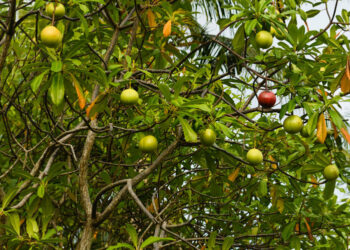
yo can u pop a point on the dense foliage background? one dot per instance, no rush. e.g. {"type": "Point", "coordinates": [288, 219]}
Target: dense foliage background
{"type": "Point", "coordinates": [72, 175]}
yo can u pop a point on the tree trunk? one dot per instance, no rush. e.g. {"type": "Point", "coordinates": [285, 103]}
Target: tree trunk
{"type": "Point", "coordinates": [86, 236]}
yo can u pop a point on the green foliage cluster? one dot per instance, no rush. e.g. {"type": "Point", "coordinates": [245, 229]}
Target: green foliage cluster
{"type": "Point", "coordinates": [73, 175]}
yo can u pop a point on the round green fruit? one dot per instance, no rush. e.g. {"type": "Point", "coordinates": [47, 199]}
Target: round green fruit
{"type": "Point", "coordinates": [254, 156]}
{"type": "Point", "coordinates": [293, 124]}
{"type": "Point", "coordinates": [331, 172]}
{"type": "Point", "coordinates": [148, 144]}
{"type": "Point", "coordinates": [264, 39]}
{"type": "Point", "coordinates": [51, 36]}
{"type": "Point", "coordinates": [59, 11]}
{"type": "Point", "coordinates": [129, 96]}
{"type": "Point", "coordinates": [208, 137]}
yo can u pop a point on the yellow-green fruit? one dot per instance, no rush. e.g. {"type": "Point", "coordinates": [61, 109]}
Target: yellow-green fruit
{"type": "Point", "coordinates": [264, 39]}
{"type": "Point", "coordinates": [208, 137]}
{"type": "Point", "coordinates": [129, 96]}
{"type": "Point", "coordinates": [293, 124]}
{"type": "Point", "coordinates": [148, 144]}
{"type": "Point", "coordinates": [51, 36]}
{"type": "Point", "coordinates": [254, 156]}
{"type": "Point", "coordinates": [59, 11]}
{"type": "Point", "coordinates": [331, 172]}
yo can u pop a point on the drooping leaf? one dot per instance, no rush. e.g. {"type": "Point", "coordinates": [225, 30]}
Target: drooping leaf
{"type": "Point", "coordinates": [151, 19]}
{"type": "Point", "coordinates": [345, 134]}
{"type": "Point", "coordinates": [152, 239]}
{"type": "Point", "coordinates": [35, 83]}
{"type": "Point", "coordinates": [273, 194]}
{"type": "Point", "coordinates": [329, 189]}
{"type": "Point", "coordinates": [15, 222]}
{"type": "Point", "coordinates": [56, 90]}
{"type": "Point", "coordinates": [309, 231]}
{"type": "Point", "coordinates": [32, 227]}
{"type": "Point", "coordinates": [336, 134]}
{"type": "Point", "coordinates": [132, 233]}
{"type": "Point", "coordinates": [81, 97]}
{"type": "Point", "coordinates": [212, 240]}
{"type": "Point", "coordinates": [288, 230]}
{"type": "Point", "coordinates": [345, 81]}
{"type": "Point", "coordinates": [228, 242]}
{"type": "Point", "coordinates": [232, 177]}
{"type": "Point", "coordinates": [321, 128]}
{"type": "Point", "coordinates": [190, 135]}
{"type": "Point", "coordinates": [167, 29]}
{"type": "Point", "coordinates": [280, 205]}
{"type": "Point", "coordinates": [121, 245]}
{"type": "Point", "coordinates": [165, 91]}
{"type": "Point", "coordinates": [96, 105]}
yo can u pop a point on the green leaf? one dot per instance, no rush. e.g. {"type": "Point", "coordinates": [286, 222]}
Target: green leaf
{"type": "Point", "coordinates": [120, 245]}
{"type": "Point", "coordinates": [312, 13]}
{"type": "Point", "coordinates": [238, 40]}
{"type": "Point", "coordinates": [212, 240]}
{"type": "Point", "coordinates": [329, 189]}
{"type": "Point", "coordinates": [228, 242]}
{"type": "Point", "coordinates": [336, 82]}
{"type": "Point", "coordinates": [250, 25]}
{"type": "Point", "coordinates": [56, 66]}
{"type": "Point", "coordinates": [203, 107]}
{"type": "Point", "coordinates": [303, 15]}
{"type": "Point", "coordinates": [152, 239]}
{"type": "Point", "coordinates": [165, 91]}
{"type": "Point", "coordinates": [127, 75]}
{"type": "Point", "coordinates": [83, 23]}
{"type": "Point", "coordinates": [35, 83]}
{"type": "Point", "coordinates": [288, 230]}
{"type": "Point", "coordinates": [263, 187]}
{"type": "Point", "coordinates": [133, 234]}
{"type": "Point", "coordinates": [312, 168]}
{"type": "Point", "coordinates": [190, 135]}
{"type": "Point", "coordinates": [56, 90]}
{"type": "Point", "coordinates": [8, 197]}
{"type": "Point", "coordinates": [225, 130]}
{"type": "Point", "coordinates": [336, 118]}
{"type": "Point", "coordinates": [312, 123]}
{"type": "Point", "coordinates": [41, 190]}
{"type": "Point", "coordinates": [295, 243]}
{"type": "Point", "coordinates": [178, 85]}
{"type": "Point", "coordinates": [32, 227]}
{"type": "Point", "coordinates": [15, 222]}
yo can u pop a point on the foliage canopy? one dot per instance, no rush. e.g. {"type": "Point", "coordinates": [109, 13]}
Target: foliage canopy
{"type": "Point", "coordinates": [72, 173]}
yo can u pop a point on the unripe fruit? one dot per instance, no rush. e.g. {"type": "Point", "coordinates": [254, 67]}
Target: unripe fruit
{"type": "Point", "coordinates": [264, 39]}
{"type": "Point", "coordinates": [51, 36]}
{"type": "Point", "coordinates": [59, 11]}
{"type": "Point", "coordinates": [254, 156]}
{"type": "Point", "coordinates": [148, 144]}
{"type": "Point", "coordinates": [331, 172]}
{"type": "Point", "coordinates": [208, 137]}
{"type": "Point", "coordinates": [293, 124]}
{"type": "Point", "coordinates": [129, 96]}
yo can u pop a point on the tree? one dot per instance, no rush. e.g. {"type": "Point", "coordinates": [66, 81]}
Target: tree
{"type": "Point", "coordinates": [73, 175]}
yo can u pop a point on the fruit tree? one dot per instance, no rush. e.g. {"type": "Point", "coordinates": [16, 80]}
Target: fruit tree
{"type": "Point", "coordinates": [127, 124]}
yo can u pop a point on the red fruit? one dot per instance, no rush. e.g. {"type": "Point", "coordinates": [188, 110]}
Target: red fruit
{"type": "Point", "coordinates": [267, 99]}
